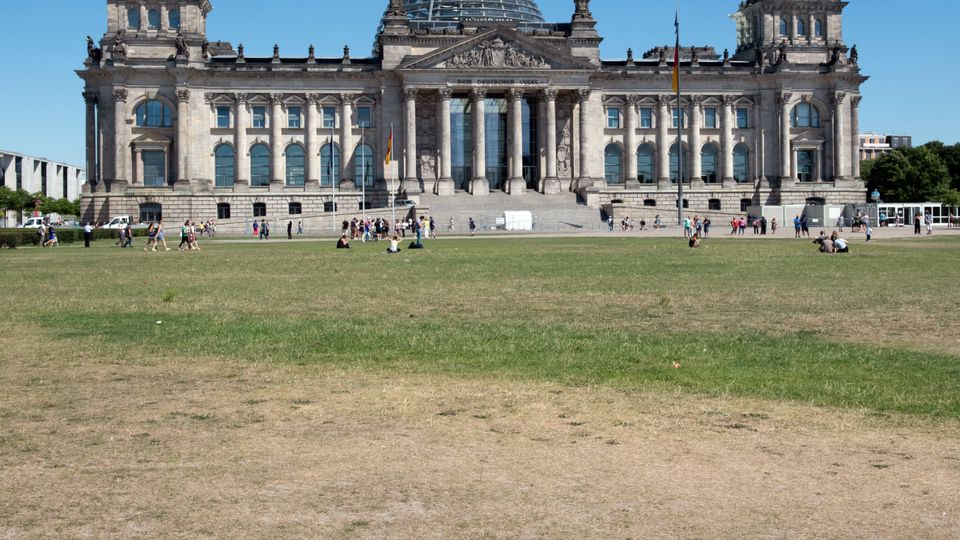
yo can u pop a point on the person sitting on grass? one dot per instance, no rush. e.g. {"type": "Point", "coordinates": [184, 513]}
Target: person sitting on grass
{"type": "Point", "coordinates": [839, 244]}
{"type": "Point", "coordinates": [343, 243]}
{"type": "Point", "coordinates": [694, 241]}
{"type": "Point", "coordinates": [394, 244]}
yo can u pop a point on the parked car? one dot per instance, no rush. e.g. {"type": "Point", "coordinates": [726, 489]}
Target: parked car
{"type": "Point", "coordinates": [32, 223]}
{"type": "Point", "coordinates": [119, 222]}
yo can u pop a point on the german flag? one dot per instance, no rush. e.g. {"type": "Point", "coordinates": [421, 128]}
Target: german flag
{"type": "Point", "coordinates": [389, 159]}
{"type": "Point", "coordinates": [676, 57]}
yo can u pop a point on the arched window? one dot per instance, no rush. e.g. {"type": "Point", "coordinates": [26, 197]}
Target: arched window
{"type": "Point", "coordinates": [801, 27]}
{"type": "Point", "coordinates": [225, 166]}
{"type": "Point", "coordinates": [174, 18]}
{"type": "Point", "coordinates": [329, 165]}
{"type": "Point", "coordinates": [363, 166]}
{"type": "Point", "coordinates": [818, 28]}
{"type": "Point", "coordinates": [133, 18]}
{"type": "Point", "coordinates": [151, 212]}
{"type": "Point", "coordinates": [223, 210]}
{"type": "Point", "coordinates": [613, 169]}
{"type": "Point", "coordinates": [260, 165]}
{"type": "Point", "coordinates": [153, 113]}
{"type": "Point", "coordinates": [153, 19]}
{"type": "Point", "coordinates": [708, 163]}
{"type": "Point", "coordinates": [805, 115]}
{"type": "Point", "coordinates": [783, 26]}
{"type": "Point", "coordinates": [645, 164]}
{"type": "Point", "coordinates": [741, 163]}
{"type": "Point", "coordinates": [674, 165]}
{"type": "Point", "coordinates": [295, 165]}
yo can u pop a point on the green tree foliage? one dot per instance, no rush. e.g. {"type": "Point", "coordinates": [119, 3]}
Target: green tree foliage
{"type": "Point", "coordinates": [909, 175]}
{"type": "Point", "coordinates": [950, 155]}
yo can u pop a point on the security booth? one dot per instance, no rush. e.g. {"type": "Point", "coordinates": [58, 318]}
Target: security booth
{"type": "Point", "coordinates": [903, 214]}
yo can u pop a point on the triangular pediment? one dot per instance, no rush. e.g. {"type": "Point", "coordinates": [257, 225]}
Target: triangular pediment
{"type": "Point", "coordinates": [152, 138]}
{"type": "Point", "coordinates": [808, 137]}
{"type": "Point", "coordinates": [498, 49]}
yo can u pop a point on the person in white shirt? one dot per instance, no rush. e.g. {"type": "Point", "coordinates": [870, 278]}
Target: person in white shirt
{"type": "Point", "coordinates": [87, 234]}
{"type": "Point", "coordinates": [394, 244]}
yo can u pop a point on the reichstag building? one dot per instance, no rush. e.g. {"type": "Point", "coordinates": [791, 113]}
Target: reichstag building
{"type": "Point", "coordinates": [480, 96]}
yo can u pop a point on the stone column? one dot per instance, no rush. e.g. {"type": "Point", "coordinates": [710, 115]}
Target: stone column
{"type": "Point", "coordinates": [516, 184]}
{"type": "Point", "coordinates": [410, 184]}
{"type": "Point", "coordinates": [138, 177]}
{"type": "Point", "coordinates": [479, 185]}
{"type": "Point", "coordinates": [630, 142]}
{"type": "Point", "coordinates": [276, 142]}
{"type": "Point", "coordinates": [696, 119]}
{"type": "Point", "coordinates": [785, 162]}
{"type": "Point", "coordinates": [144, 19]}
{"type": "Point", "coordinates": [242, 149]}
{"type": "Point", "coordinates": [758, 159]}
{"type": "Point", "coordinates": [664, 119]}
{"type": "Point", "coordinates": [726, 141]}
{"type": "Point", "coordinates": [445, 186]}
{"type": "Point", "coordinates": [841, 166]}
{"type": "Point", "coordinates": [346, 141]}
{"type": "Point", "coordinates": [312, 162]}
{"type": "Point", "coordinates": [551, 184]}
{"type": "Point", "coordinates": [90, 98]}
{"type": "Point", "coordinates": [119, 140]}
{"type": "Point", "coordinates": [584, 180]}
{"type": "Point", "coordinates": [164, 18]}
{"type": "Point", "coordinates": [855, 136]}
{"type": "Point", "coordinates": [183, 139]}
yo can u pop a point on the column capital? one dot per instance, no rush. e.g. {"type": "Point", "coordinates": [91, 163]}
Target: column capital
{"type": "Point", "coordinates": [90, 97]}
{"type": "Point", "coordinates": [784, 97]}
{"type": "Point", "coordinates": [855, 101]}
{"type": "Point", "coordinates": [241, 99]}
{"type": "Point", "coordinates": [728, 100]}
{"type": "Point", "coordinates": [663, 100]}
{"type": "Point", "coordinates": [120, 94]}
{"type": "Point", "coordinates": [695, 102]}
{"type": "Point", "coordinates": [183, 95]}
{"type": "Point", "coordinates": [313, 99]}
{"type": "Point", "coordinates": [410, 94]}
{"type": "Point", "coordinates": [550, 94]}
{"type": "Point", "coordinates": [446, 93]}
{"type": "Point", "coordinates": [515, 94]}
{"type": "Point", "coordinates": [584, 94]}
{"type": "Point", "coordinates": [478, 94]}
{"type": "Point", "coordinates": [276, 99]}
{"type": "Point", "coordinates": [633, 99]}
{"type": "Point", "coordinates": [838, 97]}
{"type": "Point", "coordinates": [351, 99]}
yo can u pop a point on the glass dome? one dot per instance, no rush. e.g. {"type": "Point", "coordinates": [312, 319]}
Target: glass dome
{"type": "Point", "coordinates": [459, 10]}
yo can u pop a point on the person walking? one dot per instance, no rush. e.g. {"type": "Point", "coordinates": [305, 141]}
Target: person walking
{"type": "Point", "coordinates": [773, 226]}
{"type": "Point", "coordinates": [917, 220]}
{"type": "Point", "coordinates": [87, 234]}
{"type": "Point", "coordinates": [128, 237]}
{"type": "Point", "coordinates": [928, 221]}
{"type": "Point", "coordinates": [290, 230]}
{"type": "Point", "coordinates": [796, 227]}
{"type": "Point", "coordinates": [433, 228]}
{"type": "Point", "coordinates": [184, 243]}
{"type": "Point", "coordinates": [299, 228]}
{"type": "Point", "coordinates": [472, 225]}
{"type": "Point", "coordinates": [161, 239]}
{"type": "Point", "coordinates": [256, 229]}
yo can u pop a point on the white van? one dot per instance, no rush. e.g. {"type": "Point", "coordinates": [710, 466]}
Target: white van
{"type": "Point", "coordinates": [33, 223]}
{"type": "Point", "coordinates": [119, 222]}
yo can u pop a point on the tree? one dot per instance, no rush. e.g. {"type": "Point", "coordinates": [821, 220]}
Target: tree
{"type": "Point", "coordinates": [951, 157]}
{"type": "Point", "coordinates": [909, 175]}
{"type": "Point", "coordinates": [950, 197]}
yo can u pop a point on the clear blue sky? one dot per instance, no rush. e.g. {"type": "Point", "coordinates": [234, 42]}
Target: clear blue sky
{"type": "Point", "coordinates": [902, 47]}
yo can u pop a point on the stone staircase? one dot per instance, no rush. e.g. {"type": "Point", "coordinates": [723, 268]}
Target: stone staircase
{"type": "Point", "coordinates": [551, 213]}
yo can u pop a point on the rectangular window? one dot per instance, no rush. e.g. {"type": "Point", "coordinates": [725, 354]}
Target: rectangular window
{"type": "Point", "coordinates": [293, 117]}
{"type": "Point", "coordinates": [133, 18]}
{"type": "Point", "coordinates": [153, 19]}
{"type": "Point", "coordinates": [710, 118]}
{"type": "Point", "coordinates": [154, 168]}
{"type": "Point", "coordinates": [678, 114]}
{"type": "Point", "coordinates": [174, 17]}
{"type": "Point", "coordinates": [223, 117]}
{"type": "Point", "coordinates": [223, 211]}
{"type": "Point", "coordinates": [43, 178]}
{"type": "Point", "coordinates": [259, 209]}
{"type": "Point", "coordinates": [18, 169]}
{"type": "Point", "coordinates": [363, 117]}
{"type": "Point", "coordinates": [743, 119]}
{"type": "Point", "coordinates": [613, 118]}
{"type": "Point", "coordinates": [646, 118]}
{"type": "Point", "coordinates": [259, 117]}
{"type": "Point", "coordinates": [329, 117]}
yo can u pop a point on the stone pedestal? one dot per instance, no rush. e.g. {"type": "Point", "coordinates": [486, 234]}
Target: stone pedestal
{"type": "Point", "coordinates": [312, 185]}
{"type": "Point", "coordinates": [551, 186]}
{"type": "Point", "coordinates": [479, 187]}
{"type": "Point", "coordinates": [516, 186]}
{"type": "Point", "coordinates": [275, 186]}
{"type": "Point", "coordinates": [182, 185]}
{"type": "Point", "coordinates": [410, 186]}
{"type": "Point", "coordinates": [445, 187]}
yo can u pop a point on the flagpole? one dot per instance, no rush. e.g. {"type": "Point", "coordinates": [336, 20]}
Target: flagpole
{"type": "Point", "coordinates": [393, 195]}
{"type": "Point", "coordinates": [363, 176]}
{"type": "Point", "coordinates": [333, 180]}
{"type": "Point", "coordinates": [680, 118]}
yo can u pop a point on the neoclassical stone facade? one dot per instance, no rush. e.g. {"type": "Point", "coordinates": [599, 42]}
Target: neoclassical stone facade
{"type": "Point", "coordinates": [190, 128]}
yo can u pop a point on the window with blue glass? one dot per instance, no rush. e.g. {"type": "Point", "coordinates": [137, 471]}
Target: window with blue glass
{"type": "Point", "coordinates": [295, 165]}
{"type": "Point", "coordinates": [133, 18]}
{"type": "Point", "coordinates": [223, 117]}
{"type": "Point", "coordinates": [293, 117]}
{"type": "Point", "coordinates": [363, 166]}
{"type": "Point", "coordinates": [174, 18]}
{"type": "Point", "coordinates": [805, 166]}
{"type": "Point", "coordinates": [818, 28]}
{"type": "Point", "coordinates": [154, 168]}
{"type": "Point", "coordinates": [710, 118]}
{"type": "Point", "coordinates": [260, 166]}
{"type": "Point", "coordinates": [151, 212]}
{"type": "Point", "coordinates": [805, 115]}
{"type": "Point", "coordinates": [708, 163]}
{"type": "Point", "coordinates": [153, 113]}
{"type": "Point", "coordinates": [645, 164]}
{"type": "Point", "coordinates": [613, 118]}
{"type": "Point", "coordinates": [153, 19]}
{"type": "Point", "coordinates": [801, 27]}
{"type": "Point", "coordinates": [783, 26]}
{"type": "Point", "coordinates": [363, 117]}
{"type": "Point", "coordinates": [329, 117]}
{"type": "Point", "coordinates": [329, 165]}
{"type": "Point", "coordinates": [743, 119]}
{"type": "Point", "coordinates": [679, 115]}
{"type": "Point", "coordinates": [646, 117]}
{"type": "Point", "coordinates": [224, 164]}
{"type": "Point", "coordinates": [259, 117]}
{"type": "Point", "coordinates": [741, 163]}
{"type": "Point", "coordinates": [612, 164]}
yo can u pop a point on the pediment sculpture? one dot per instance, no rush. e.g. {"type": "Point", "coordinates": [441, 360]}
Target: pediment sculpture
{"type": "Point", "coordinates": [496, 54]}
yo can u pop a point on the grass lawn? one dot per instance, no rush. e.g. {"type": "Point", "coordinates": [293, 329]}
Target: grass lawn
{"type": "Point", "coordinates": [482, 388]}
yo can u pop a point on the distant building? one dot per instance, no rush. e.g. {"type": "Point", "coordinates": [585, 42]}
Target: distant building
{"type": "Point", "coordinates": [40, 175]}
{"type": "Point", "coordinates": [874, 145]}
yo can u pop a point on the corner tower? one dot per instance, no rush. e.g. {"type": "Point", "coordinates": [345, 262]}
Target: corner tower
{"type": "Point", "coordinates": [808, 31]}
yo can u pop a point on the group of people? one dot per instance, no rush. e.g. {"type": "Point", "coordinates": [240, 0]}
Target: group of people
{"type": "Point", "coordinates": [831, 244]}
{"type": "Point", "coordinates": [156, 237]}
{"type": "Point", "coordinates": [47, 236]}
{"type": "Point", "coordinates": [697, 227]}
{"type": "Point", "coordinates": [627, 224]}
